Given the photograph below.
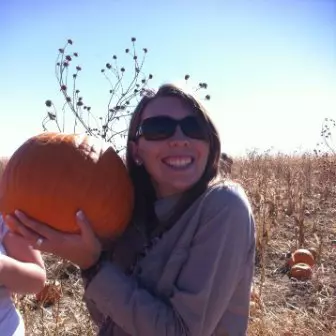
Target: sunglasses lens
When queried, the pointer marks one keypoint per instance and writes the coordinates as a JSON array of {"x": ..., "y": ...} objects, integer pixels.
[
  {"x": 192, "y": 128},
  {"x": 158, "y": 128}
]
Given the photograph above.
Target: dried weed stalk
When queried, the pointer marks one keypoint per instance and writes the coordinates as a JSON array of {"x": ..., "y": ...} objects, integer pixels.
[{"x": 127, "y": 85}]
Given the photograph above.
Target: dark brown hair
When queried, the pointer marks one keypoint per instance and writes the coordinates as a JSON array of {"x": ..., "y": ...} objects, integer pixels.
[{"x": 144, "y": 191}]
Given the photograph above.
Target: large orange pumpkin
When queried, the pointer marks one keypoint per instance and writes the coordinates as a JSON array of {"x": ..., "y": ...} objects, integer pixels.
[{"x": 52, "y": 175}]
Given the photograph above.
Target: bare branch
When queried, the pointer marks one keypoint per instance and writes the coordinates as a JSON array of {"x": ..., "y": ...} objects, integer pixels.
[
  {"x": 128, "y": 84},
  {"x": 327, "y": 131}
]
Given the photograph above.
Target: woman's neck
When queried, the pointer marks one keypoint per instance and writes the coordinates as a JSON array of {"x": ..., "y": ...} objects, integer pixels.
[{"x": 164, "y": 205}]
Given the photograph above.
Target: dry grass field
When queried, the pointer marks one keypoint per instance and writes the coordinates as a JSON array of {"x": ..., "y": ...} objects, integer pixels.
[{"x": 294, "y": 202}]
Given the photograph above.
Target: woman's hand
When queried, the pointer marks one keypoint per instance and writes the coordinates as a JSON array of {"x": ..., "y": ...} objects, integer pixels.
[{"x": 82, "y": 249}]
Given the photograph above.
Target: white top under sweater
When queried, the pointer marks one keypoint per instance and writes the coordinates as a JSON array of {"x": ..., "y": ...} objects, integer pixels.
[{"x": 11, "y": 323}]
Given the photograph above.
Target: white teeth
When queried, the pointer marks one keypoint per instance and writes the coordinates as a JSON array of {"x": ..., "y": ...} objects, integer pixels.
[{"x": 178, "y": 162}]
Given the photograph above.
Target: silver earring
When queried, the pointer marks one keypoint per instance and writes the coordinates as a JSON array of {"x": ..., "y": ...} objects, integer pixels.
[{"x": 138, "y": 162}]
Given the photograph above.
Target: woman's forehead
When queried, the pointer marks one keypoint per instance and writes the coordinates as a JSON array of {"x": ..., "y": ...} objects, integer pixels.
[{"x": 171, "y": 106}]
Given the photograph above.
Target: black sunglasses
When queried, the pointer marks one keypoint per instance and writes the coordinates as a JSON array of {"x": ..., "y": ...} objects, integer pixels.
[{"x": 164, "y": 127}]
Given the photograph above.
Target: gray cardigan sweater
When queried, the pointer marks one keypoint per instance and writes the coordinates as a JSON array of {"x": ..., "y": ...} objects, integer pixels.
[{"x": 196, "y": 280}]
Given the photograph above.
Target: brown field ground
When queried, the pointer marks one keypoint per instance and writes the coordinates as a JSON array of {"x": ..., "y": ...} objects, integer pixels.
[{"x": 294, "y": 206}]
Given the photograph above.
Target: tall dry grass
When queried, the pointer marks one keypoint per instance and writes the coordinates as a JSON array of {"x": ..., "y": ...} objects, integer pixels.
[{"x": 295, "y": 206}]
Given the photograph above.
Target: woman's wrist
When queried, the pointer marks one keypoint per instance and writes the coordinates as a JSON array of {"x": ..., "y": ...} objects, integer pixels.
[
  {"x": 90, "y": 272},
  {"x": 93, "y": 261}
]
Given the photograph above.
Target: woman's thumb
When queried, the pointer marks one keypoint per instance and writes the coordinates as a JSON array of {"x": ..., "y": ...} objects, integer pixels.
[{"x": 84, "y": 225}]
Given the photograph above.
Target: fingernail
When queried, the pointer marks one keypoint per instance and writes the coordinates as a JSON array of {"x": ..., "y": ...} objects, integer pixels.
[
  {"x": 18, "y": 213},
  {"x": 80, "y": 214}
]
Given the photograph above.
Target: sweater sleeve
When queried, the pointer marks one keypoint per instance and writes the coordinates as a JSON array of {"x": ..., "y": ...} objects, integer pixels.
[
  {"x": 206, "y": 283},
  {"x": 3, "y": 228}
]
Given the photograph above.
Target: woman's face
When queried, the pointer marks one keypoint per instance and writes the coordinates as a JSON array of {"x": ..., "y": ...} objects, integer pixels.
[{"x": 177, "y": 162}]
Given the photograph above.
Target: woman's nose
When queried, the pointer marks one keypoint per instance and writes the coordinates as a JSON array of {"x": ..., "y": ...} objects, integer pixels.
[{"x": 179, "y": 139}]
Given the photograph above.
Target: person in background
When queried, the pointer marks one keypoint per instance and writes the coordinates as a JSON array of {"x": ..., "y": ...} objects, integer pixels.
[
  {"x": 21, "y": 271},
  {"x": 226, "y": 163},
  {"x": 185, "y": 264}
]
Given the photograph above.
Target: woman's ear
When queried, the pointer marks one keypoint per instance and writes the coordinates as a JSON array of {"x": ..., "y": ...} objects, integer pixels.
[{"x": 135, "y": 153}]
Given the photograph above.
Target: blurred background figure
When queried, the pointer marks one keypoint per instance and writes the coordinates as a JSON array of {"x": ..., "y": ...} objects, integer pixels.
[{"x": 226, "y": 163}]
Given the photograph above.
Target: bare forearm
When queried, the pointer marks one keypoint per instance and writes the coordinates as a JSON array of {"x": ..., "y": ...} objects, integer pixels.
[{"x": 21, "y": 277}]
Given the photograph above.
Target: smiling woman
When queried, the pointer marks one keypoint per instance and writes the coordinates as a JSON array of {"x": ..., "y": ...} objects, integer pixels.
[
  {"x": 184, "y": 265},
  {"x": 175, "y": 157}
]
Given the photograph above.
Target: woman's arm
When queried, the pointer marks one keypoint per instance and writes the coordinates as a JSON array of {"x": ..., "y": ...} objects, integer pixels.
[
  {"x": 22, "y": 270},
  {"x": 221, "y": 250}
]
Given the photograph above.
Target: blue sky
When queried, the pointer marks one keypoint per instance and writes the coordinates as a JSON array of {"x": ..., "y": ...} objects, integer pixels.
[{"x": 270, "y": 65}]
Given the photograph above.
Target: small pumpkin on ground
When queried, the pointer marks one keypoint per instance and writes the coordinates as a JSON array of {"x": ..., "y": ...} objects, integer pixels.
[
  {"x": 53, "y": 175},
  {"x": 50, "y": 294},
  {"x": 301, "y": 256},
  {"x": 301, "y": 271}
]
